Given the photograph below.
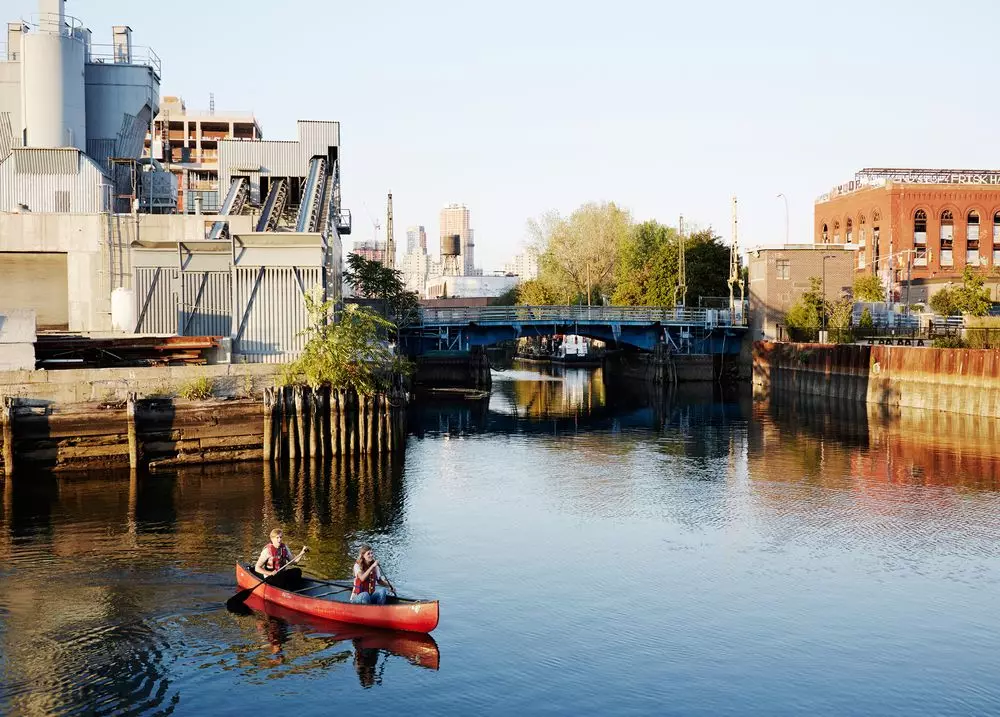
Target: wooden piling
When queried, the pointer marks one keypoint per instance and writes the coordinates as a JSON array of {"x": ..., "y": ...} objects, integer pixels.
[
  {"x": 337, "y": 415},
  {"x": 7, "y": 426},
  {"x": 369, "y": 424},
  {"x": 316, "y": 415},
  {"x": 300, "y": 418},
  {"x": 268, "y": 424},
  {"x": 291, "y": 419},
  {"x": 325, "y": 423},
  {"x": 134, "y": 446}
]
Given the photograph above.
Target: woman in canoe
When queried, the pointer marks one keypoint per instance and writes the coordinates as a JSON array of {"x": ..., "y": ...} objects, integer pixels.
[
  {"x": 276, "y": 556},
  {"x": 367, "y": 578}
]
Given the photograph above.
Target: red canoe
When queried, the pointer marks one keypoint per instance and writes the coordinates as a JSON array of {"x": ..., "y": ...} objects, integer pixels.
[
  {"x": 416, "y": 648},
  {"x": 330, "y": 600}
]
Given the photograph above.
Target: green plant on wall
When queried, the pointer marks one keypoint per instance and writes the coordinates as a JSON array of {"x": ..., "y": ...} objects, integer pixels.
[
  {"x": 353, "y": 353},
  {"x": 197, "y": 389}
]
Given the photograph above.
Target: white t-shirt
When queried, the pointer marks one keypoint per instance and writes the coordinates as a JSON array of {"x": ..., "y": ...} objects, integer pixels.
[{"x": 358, "y": 571}]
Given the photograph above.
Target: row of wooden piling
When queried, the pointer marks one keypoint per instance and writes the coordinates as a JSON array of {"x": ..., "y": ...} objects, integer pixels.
[{"x": 302, "y": 421}]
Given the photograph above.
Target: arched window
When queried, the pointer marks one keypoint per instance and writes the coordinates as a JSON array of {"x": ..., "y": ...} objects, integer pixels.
[
  {"x": 947, "y": 237},
  {"x": 850, "y": 230},
  {"x": 876, "y": 217},
  {"x": 972, "y": 238},
  {"x": 920, "y": 238},
  {"x": 996, "y": 239},
  {"x": 861, "y": 242},
  {"x": 836, "y": 231},
  {"x": 826, "y": 233}
]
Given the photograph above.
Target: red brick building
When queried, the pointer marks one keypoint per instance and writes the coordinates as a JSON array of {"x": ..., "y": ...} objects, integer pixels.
[{"x": 916, "y": 229}]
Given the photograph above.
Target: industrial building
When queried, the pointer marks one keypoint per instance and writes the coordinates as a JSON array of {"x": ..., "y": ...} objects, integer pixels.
[
  {"x": 779, "y": 277},
  {"x": 91, "y": 238},
  {"x": 187, "y": 141},
  {"x": 916, "y": 229}
]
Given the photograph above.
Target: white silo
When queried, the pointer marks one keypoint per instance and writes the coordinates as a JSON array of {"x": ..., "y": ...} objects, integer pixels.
[{"x": 52, "y": 79}]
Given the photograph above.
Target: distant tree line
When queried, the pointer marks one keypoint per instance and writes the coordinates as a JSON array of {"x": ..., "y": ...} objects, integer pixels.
[{"x": 599, "y": 255}]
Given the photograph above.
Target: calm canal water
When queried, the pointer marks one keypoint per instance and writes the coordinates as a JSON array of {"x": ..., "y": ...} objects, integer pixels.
[{"x": 595, "y": 551}]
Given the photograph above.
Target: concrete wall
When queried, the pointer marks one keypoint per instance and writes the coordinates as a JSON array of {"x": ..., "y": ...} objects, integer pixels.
[
  {"x": 17, "y": 340},
  {"x": 82, "y": 237},
  {"x": 114, "y": 384},
  {"x": 955, "y": 380}
]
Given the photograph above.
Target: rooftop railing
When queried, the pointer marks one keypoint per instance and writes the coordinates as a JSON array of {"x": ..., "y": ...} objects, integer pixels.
[{"x": 141, "y": 55}]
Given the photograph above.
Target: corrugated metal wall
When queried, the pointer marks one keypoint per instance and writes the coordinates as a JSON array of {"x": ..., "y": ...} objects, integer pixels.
[
  {"x": 316, "y": 137},
  {"x": 156, "y": 300},
  {"x": 206, "y": 303},
  {"x": 33, "y": 177},
  {"x": 280, "y": 159},
  {"x": 270, "y": 312}
]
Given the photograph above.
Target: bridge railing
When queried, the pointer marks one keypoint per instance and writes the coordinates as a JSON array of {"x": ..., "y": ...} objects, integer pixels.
[{"x": 583, "y": 314}]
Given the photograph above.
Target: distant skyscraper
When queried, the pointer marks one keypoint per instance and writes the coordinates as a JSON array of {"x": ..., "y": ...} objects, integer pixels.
[
  {"x": 455, "y": 221},
  {"x": 416, "y": 240}
]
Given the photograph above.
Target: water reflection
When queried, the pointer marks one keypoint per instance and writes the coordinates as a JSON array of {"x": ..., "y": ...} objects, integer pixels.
[
  {"x": 838, "y": 443},
  {"x": 97, "y": 566},
  {"x": 289, "y": 634},
  {"x": 558, "y": 400}
]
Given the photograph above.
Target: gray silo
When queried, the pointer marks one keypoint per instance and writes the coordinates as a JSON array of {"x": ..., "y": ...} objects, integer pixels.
[{"x": 52, "y": 80}]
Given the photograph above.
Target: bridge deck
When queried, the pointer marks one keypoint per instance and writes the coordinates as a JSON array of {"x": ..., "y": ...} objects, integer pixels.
[{"x": 622, "y": 315}]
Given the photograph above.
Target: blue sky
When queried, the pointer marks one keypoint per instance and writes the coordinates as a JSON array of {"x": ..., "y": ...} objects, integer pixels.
[{"x": 517, "y": 108}]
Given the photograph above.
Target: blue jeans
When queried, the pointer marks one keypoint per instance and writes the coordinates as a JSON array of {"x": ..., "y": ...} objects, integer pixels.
[{"x": 377, "y": 598}]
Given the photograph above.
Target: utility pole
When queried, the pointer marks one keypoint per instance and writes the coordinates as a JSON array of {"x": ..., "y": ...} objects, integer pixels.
[
  {"x": 735, "y": 276},
  {"x": 680, "y": 294},
  {"x": 390, "y": 243}
]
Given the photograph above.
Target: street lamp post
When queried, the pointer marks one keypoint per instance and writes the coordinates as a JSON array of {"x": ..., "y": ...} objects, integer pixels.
[
  {"x": 780, "y": 194},
  {"x": 825, "y": 257}
]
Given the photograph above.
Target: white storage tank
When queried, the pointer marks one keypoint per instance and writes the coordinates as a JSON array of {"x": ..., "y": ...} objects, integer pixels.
[
  {"x": 52, "y": 80},
  {"x": 123, "y": 311}
]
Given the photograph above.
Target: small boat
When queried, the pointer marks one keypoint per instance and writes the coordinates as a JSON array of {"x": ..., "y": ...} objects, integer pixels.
[
  {"x": 418, "y": 649},
  {"x": 330, "y": 600}
]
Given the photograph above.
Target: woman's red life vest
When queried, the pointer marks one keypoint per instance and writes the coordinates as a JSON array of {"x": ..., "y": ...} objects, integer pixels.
[
  {"x": 280, "y": 556},
  {"x": 365, "y": 586}
]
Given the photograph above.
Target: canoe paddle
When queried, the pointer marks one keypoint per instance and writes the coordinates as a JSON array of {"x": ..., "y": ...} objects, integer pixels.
[{"x": 236, "y": 601}]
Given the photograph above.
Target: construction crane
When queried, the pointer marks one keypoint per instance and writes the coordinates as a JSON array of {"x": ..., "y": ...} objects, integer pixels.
[
  {"x": 735, "y": 275},
  {"x": 680, "y": 292},
  {"x": 390, "y": 242}
]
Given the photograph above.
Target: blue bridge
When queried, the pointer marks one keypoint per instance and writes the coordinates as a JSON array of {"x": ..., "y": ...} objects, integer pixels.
[{"x": 681, "y": 330}]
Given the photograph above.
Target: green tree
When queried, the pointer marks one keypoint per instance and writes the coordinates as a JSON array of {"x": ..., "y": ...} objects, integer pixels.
[
  {"x": 869, "y": 288},
  {"x": 866, "y": 322},
  {"x": 805, "y": 317},
  {"x": 971, "y": 298},
  {"x": 577, "y": 254},
  {"x": 646, "y": 274},
  {"x": 707, "y": 262},
  {"x": 349, "y": 354},
  {"x": 839, "y": 319},
  {"x": 372, "y": 280},
  {"x": 647, "y": 267},
  {"x": 943, "y": 302}
]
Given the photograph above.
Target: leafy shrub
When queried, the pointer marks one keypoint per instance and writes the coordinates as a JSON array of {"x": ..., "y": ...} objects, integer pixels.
[
  {"x": 197, "y": 389},
  {"x": 949, "y": 342}
]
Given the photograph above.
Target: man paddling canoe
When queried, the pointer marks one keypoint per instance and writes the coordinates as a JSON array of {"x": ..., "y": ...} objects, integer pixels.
[{"x": 276, "y": 556}]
